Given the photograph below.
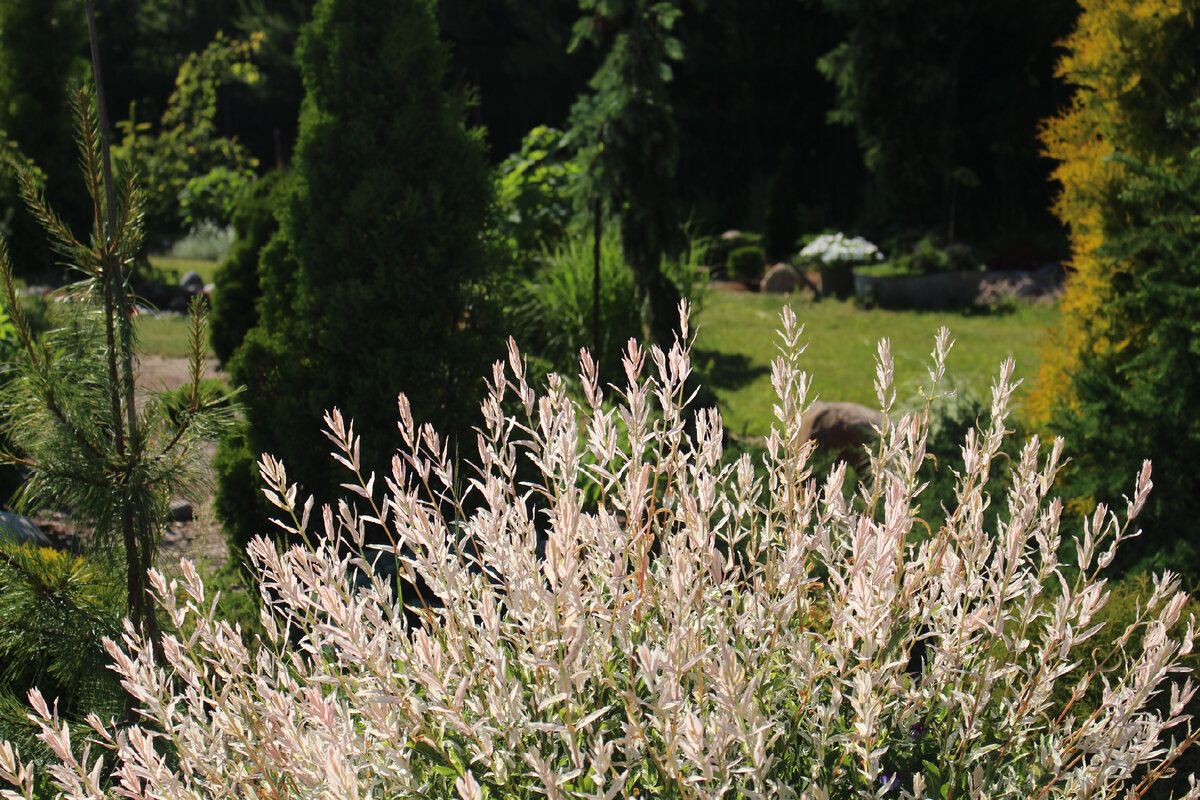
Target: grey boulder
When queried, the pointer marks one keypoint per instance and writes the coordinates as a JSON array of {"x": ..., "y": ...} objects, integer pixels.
[
  {"x": 191, "y": 282},
  {"x": 780, "y": 279},
  {"x": 843, "y": 428},
  {"x": 16, "y": 529}
]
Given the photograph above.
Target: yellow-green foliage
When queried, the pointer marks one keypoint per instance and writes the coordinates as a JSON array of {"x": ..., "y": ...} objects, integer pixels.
[
  {"x": 1134, "y": 65},
  {"x": 55, "y": 608}
]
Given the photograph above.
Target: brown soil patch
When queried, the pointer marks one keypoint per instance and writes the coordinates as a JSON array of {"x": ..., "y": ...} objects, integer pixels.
[{"x": 200, "y": 538}]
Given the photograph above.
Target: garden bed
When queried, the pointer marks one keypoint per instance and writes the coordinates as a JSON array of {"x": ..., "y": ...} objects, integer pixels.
[{"x": 933, "y": 292}]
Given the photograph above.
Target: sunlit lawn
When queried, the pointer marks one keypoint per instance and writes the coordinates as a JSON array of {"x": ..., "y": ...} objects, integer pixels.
[
  {"x": 179, "y": 266},
  {"x": 737, "y": 340},
  {"x": 165, "y": 335}
]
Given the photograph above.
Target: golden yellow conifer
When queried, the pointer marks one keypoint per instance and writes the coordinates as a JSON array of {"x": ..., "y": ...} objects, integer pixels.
[{"x": 1133, "y": 64}]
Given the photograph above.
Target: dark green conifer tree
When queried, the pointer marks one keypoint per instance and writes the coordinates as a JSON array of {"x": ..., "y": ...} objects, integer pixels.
[
  {"x": 631, "y": 144},
  {"x": 237, "y": 291},
  {"x": 374, "y": 283},
  {"x": 1136, "y": 391}
]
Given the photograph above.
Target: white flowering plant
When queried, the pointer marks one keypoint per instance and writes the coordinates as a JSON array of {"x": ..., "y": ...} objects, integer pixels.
[
  {"x": 697, "y": 632},
  {"x": 837, "y": 248}
]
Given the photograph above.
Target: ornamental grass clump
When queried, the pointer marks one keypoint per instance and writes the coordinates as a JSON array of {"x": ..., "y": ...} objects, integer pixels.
[{"x": 696, "y": 633}]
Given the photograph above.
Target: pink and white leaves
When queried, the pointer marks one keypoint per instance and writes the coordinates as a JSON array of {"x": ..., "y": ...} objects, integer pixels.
[{"x": 618, "y": 610}]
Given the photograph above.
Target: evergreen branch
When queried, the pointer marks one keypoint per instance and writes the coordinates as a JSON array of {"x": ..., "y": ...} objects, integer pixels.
[
  {"x": 78, "y": 477},
  {"x": 38, "y": 361},
  {"x": 196, "y": 404},
  {"x": 89, "y": 151},
  {"x": 34, "y": 197},
  {"x": 110, "y": 197},
  {"x": 198, "y": 328},
  {"x": 130, "y": 233},
  {"x": 15, "y": 312}
]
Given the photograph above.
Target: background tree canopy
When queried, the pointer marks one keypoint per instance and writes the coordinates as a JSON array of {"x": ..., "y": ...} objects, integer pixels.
[{"x": 943, "y": 101}]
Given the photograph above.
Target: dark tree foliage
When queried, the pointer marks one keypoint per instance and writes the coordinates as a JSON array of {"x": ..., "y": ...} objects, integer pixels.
[
  {"x": 43, "y": 49},
  {"x": 235, "y": 300},
  {"x": 752, "y": 89},
  {"x": 749, "y": 88},
  {"x": 374, "y": 283},
  {"x": 780, "y": 227},
  {"x": 1137, "y": 389},
  {"x": 144, "y": 42},
  {"x": 630, "y": 144},
  {"x": 513, "y": 53},
  {"x": 264, "y": 115},
  {"x": 945, "y": 100},
  {"x": 183, "y": 159}
]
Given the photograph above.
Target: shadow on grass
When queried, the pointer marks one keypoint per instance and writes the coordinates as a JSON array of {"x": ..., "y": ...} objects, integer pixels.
[
  {"x": 726, "y": 370},
  {"x": 999, "y": 308}
]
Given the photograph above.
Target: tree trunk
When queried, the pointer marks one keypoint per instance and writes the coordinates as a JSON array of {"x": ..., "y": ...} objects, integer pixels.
[
  {"x": 137, "y": 541},
  {"x": 596, "y": 210},
  {"x": 660, "y": 308}
]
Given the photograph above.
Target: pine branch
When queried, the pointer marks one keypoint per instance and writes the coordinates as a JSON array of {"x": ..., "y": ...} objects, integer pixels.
[
  {"x": 35, "y": 199},
  {"x": 38, "y": 361}
]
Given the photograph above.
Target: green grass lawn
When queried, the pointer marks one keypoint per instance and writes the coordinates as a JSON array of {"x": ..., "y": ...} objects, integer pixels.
[
  {"x": 180, "y": 266},
  {"x": 167, "y": 335},
  {"x": 737, "y": 339},
  {"x": 163, "y": 336},
  {"x": 736, "y": 342}
]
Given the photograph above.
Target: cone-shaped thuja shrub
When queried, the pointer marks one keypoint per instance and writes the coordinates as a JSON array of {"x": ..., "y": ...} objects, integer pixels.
[
  {"x": 373, "y": 283},
  {"x": 235, "y": 302},
  {"x": 701, "y": 633}
]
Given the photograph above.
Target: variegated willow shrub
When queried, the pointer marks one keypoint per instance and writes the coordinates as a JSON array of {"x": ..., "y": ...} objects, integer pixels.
[{"x": 692, "y": 634}]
